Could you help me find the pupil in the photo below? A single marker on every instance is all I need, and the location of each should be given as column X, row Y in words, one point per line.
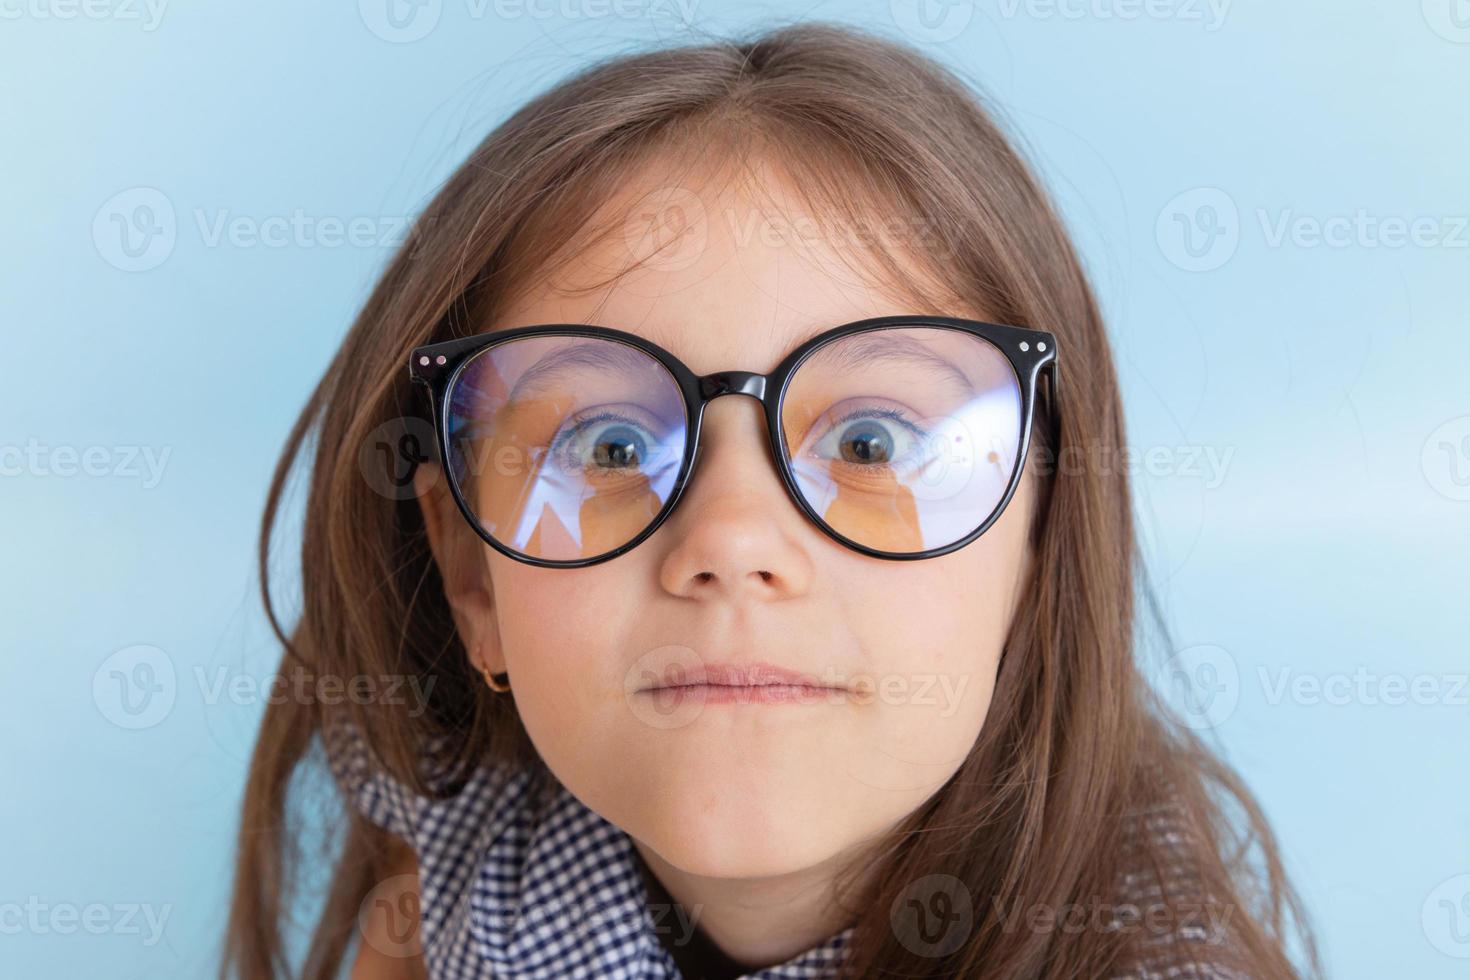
column 866, row 444
column 619, row 448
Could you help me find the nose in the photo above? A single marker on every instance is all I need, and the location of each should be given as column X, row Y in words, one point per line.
column 736, row 537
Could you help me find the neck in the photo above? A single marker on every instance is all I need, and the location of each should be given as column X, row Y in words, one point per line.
column 758, row 922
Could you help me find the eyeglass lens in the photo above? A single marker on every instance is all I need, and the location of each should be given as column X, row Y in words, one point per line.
column 902, row 440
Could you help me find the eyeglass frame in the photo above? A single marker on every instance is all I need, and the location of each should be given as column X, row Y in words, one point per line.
column 1031, row 353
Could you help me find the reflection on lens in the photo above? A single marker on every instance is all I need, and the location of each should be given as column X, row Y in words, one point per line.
column 904, row 439
column 564, row 447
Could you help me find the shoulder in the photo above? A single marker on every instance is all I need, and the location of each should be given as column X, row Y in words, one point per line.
column 438, row 817
column 1181, row 929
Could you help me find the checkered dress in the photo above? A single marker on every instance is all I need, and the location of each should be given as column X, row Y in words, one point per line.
column 521, row 883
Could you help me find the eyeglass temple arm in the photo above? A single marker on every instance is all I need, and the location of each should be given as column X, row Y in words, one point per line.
column 1053, row 403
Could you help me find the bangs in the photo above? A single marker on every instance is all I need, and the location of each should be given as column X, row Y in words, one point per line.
column 644, row 196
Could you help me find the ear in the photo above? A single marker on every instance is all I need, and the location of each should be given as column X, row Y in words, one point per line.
column 463, row 560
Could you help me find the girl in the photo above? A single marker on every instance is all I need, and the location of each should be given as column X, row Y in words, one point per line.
column 832, row 679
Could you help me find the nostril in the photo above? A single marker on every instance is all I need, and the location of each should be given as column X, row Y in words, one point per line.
column 765, row 575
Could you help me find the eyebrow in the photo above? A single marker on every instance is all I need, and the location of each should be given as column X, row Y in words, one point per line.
column 854, row 353
column 882, row 347
column 554, row 366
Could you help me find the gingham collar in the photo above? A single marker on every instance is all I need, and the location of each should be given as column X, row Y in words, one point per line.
column 559, row 896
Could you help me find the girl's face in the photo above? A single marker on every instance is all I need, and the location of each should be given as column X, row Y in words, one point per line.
column 736, row 787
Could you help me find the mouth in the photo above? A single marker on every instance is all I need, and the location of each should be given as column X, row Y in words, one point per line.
column 748, row 683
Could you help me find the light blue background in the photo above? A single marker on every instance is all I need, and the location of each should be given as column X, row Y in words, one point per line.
column 1334, row 377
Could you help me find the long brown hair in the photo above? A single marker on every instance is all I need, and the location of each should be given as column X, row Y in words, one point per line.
column 1081, row 795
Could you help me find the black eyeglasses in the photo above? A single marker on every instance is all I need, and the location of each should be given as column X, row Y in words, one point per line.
column 901, row 437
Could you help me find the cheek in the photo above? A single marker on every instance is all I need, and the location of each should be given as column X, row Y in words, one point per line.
column 559, row 628
column 934, row 660
column 936, row 631
column 566, row 636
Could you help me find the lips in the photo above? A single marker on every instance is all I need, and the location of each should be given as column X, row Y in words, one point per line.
column 749, row 682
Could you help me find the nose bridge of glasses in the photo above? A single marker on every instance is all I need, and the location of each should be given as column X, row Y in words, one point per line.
column 732, row 383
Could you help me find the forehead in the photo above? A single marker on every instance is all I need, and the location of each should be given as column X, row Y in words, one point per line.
column 727, row 269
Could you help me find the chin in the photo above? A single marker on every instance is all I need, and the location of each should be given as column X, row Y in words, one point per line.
column 725, row 840
column 742, row 825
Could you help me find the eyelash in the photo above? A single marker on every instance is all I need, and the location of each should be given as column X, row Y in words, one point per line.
column 890, row 414
column 582, row 424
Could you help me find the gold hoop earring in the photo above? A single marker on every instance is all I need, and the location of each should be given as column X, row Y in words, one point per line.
column 490, row 679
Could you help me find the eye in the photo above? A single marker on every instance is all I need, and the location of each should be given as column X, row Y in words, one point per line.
column 607, row 444
column 870, row 437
